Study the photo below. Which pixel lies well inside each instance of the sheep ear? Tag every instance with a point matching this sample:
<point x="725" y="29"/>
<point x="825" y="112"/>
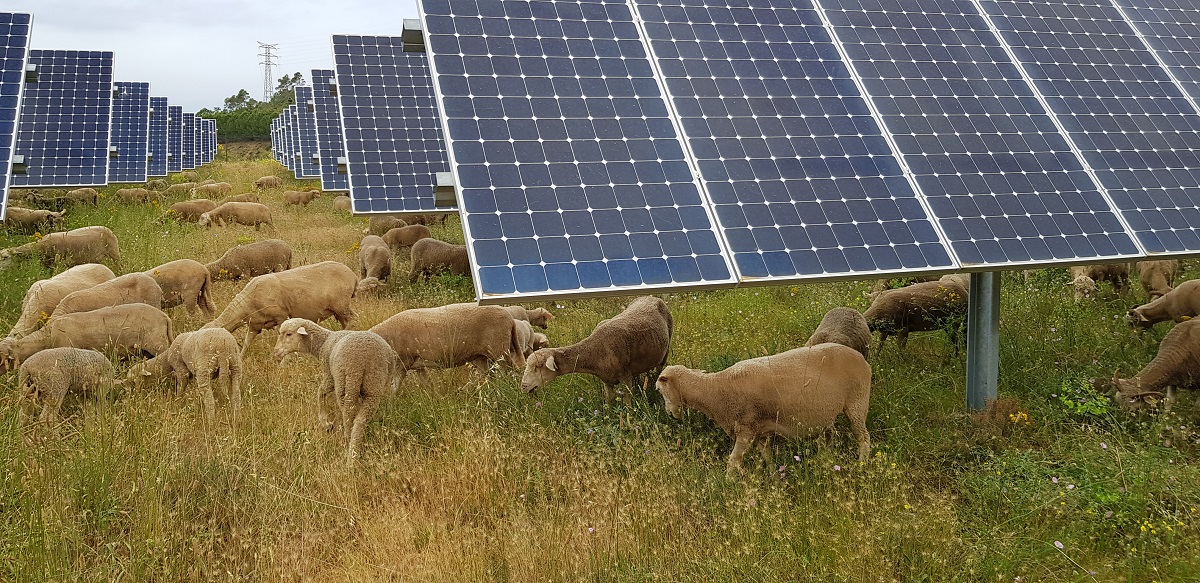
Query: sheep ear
<point x="550" y="363"/>
<point x="301" y="331"/>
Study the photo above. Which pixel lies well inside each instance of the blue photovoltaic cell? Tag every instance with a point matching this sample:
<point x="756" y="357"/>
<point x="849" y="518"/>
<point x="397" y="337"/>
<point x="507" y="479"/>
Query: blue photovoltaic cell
<point x="1133" y="124"/>
<point x="174" y="138"/>
<point x="1000" y="178"/>
<point x="571" y="174"/>
<point x="329" y="131"/>
<point x="275" y="140"/>
<point x="306" y="118"/>
<point x="129" y="133"/>
<point x="189" y="141"/>
<point x="391" y="130"/>
<point x="206" y="140"/>
<point x="65" y="117"/>
<point x="14" y="44"/>
<point x="157" y="158"/>
<point x="1172" y="29"/>
<point x="802" y="180"/>
<point x="293" y="139"/>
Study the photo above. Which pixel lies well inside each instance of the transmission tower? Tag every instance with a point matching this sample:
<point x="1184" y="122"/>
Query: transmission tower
<point x="268" y="61"/>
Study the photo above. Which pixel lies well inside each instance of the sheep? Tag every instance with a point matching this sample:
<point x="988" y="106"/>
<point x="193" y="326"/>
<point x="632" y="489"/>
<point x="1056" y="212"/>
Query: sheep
<point x="1179" y="304"/>
<point x="529" y="340"/>
<point x="135" y="194"/>
<point x="300" y="198"/>
<point x="798" y="393"/>
<point x="190" y="175"/>
<point x="124" y="330"/>
<point x="427" y="219"/>
<point x="44" y="295"/>
<point x="268" y="182"/>
<point x="539" y="317"/>
<point x="1157" y="277"/>
<point x="181" y="188"/>
<point x="74" y="247"/>
<point x="244" y="197"/>
<point x="215" y="189"/>
<point x="432" y="255"/>
<point x="244" y="213"/>
<point x="131" y="288"/>
<point x="357" y="368"/>
<point x="1085" y="277"/>
<point x="52" y="373"/>
<point x="920" y="307"/>
<point x="375" y="258"/>
<point x="367" y="286"/>
<point x="378" y="225"/>
<point x="184" y="282"/>
<point x="890" y="283"/>
<point x="405" y="236"/>
<point x="156" y="184"/>
<point x="845" y="326"/>
<point x="451" y="336"/>
<point x="631" y="343"/>
<point x="206" y="182"/>
<point x="251" y="260"/>
<point x="188" y="211"/>
<point x="200" y="356"/>
<point x="83" y="195"/>
<point x="343" y="203"/>
<point x="30" y="220"/>
<point x="313" y="291"/>
<point x="1177" y="364"/>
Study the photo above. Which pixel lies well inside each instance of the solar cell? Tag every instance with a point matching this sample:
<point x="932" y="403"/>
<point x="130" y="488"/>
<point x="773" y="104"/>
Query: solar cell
<point x="392" y="134"/>
<point x="189" y="141"/>
<point x="329" y="131"/>
<point x="306" y="129"/>
<point x="571" y="174"/>
<point x="174" y="138"/>
<point x="206" y="140"/>
<point x="129" y="136"/>
<point x="214" y="140"/>
<point x="14" y="46"/>
<point x="293" y="141"/>
<point x="157" y="157"/>
<point x="65" y="117"/>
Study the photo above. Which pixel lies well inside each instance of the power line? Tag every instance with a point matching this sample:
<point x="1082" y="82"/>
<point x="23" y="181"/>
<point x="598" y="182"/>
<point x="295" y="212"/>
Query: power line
<point x="268" y="61"/>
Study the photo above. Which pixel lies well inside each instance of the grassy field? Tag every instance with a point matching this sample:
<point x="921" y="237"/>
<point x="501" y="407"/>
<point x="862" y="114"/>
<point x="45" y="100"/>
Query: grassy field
<point x="471" y="480"/>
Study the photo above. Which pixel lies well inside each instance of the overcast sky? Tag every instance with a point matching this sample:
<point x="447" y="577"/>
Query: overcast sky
<point x="199" y="53"/>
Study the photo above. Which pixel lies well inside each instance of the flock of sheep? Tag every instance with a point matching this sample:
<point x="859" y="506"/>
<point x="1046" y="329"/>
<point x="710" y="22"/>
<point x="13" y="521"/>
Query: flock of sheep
<point x="72" y="323"/>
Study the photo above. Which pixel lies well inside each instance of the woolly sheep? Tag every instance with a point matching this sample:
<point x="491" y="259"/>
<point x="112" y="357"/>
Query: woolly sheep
<point x="244" y="197"/>
<point x="83" y="195"/>
<point x="123" y="330"/>
<point x="539" y="317"/>
<point x="427" y="219"/>
<point x="75" y="247"/>
<point x="52" y="373"/>
<point x="845" y="326"/>
<point x="920" y="307"/>
<point x="216" y="189"/>
<point x="431" y="255"/>
<point x="300" y="197"/>
<point x="631" y="343"/>
<point x="243" y="213"/>
<point x="30" y="220"/>
<point x="451" y="336"/>
<point x="200" y="357"/>
<point x="1085" y="277"/>
<point x="405" y="236"/>
<point x="268" y="182"/>
<point x="181" y="188"/>
<point x="156" y="184"/>
<point x="890" y="283"/>
<point x="251" y="260"/>
<point x="342" y="203"/>
<point x="378" y="225"/>
<point x="189" y="211"/>
<point x="1177" y="364"/>
<point x="1179" y="304"/>
<point x="131" y="288"/>
<point x="1157" y="277"/>
<point x="529" y="340"/>
<point x="44" y="295"/>
<point x="135" y="195"/>
<point x="367" y="286"/>
<point x="374" y="258"/>
<point x="184" y="282"/>
<point x="798" y="393"/>
<point x="189" y="175"/>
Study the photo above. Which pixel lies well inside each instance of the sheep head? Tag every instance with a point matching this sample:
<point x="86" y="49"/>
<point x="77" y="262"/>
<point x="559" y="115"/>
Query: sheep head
<point x="293" y="337"/>
<point x="205" y="220"/>
<point x="1128" y="393"/>
<point x="667" y="384"/>
<point x="540" y="317"/>
<point x="1084" y="287"/>
<point x="1137" y="318"/>
<point x="367" y="285"/>
<point x="8" y="361"/>
<point x="540" y="368"/>
<point x="540" y="341"/>
<point x="145" y="373"/>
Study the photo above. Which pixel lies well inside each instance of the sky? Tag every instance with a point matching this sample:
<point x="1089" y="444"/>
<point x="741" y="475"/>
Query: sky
<point x="198" y="53"/>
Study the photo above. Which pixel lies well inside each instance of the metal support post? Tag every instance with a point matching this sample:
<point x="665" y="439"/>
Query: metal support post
<point x="983" y="339"/>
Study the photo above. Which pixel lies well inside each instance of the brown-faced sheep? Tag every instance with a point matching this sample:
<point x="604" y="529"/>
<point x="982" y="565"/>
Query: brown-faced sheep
<point x="314" y="292"/>
<point x="845" y="326"/>
<point x="342" y="203"/>
<point x="184" y="282"/>
<point x="156" y="184"/>
<point x="44" y="295"/>
<point x="75" y="247"/>
<point x="51" y="374"/>
<point x="920" y="307"/>
<point x="1085" y="277"/>
<point x="125" y="330"/>
<point x="405" y="236"/>
<point x="798" y="393"/>
<point x="1157" y="277"/>
<point x="268" y="182"/>
<point x="300" y="197"/>
<point x="213" y="190"/>
<point x="378" y="225"/>
<point x="24" y="220"/>
<point x="238" y="213"/>
<point x="374" y="258"/>
<point x="251" y="260"/>
<point x="244" y="197"/>
<point x="1177" y="365"/>
<point x="131" y="288"/>
<point x="135" y="195"/>
<point x="188" y="211"/>
<point x="430" y="256"/>
<point x="1179" y="304"/>
<point x="451" y="336"/>
<point x="179" y="189"/>
<point x="200" y="357"/>
<point x="539" y="317"/>
<point x="83" y="195"/>
<point x="631" y="343"/>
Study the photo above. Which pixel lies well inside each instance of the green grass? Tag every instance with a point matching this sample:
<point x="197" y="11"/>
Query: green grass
<point x="469" y="479"/>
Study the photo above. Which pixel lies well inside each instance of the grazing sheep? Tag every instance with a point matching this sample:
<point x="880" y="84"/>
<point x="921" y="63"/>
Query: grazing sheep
<point x="30" y="220"/>
<point x="845" y="326"/>
<point x="51" y="374"/>
<point x="342" y="203"/>
<point x="200" y="356"/>
<point x="539" y="317"/>
<point x="314" y="292"/>
<point x="451" y="336"/>
<point x="405" y="236"/>
<point x="798" y="393"/>
<point x="529" y="340"/>
<point x="1177" y="364"/>
<point x="920" y="307"/>
<point x="131" y="288"/>
<point x="213" y="190"/>
<point x="190" y="175"/>
<point x="378" y="225"/>
<point x="890" y="283"/>
<point x="631" y="343"/>
<point x="1179" y="304"/>
<point x="156" y="184"/>
<point x="375" y="258"/>
<point x="300" y="197"/>
<point x="1085" y="277"/>
<point x="189" y="211"/>
<point x="44" y="295"/>
<point x="83" y="195"/>
<point x="74" y="247"/>
<point x="135" y="194"/>
<point x="367" y="286"/>
<point x="184" y="282"/>
<point x="125" y="330"/>
<point x="431" y="255"/>
<point x="252" y="260"/>
<point x="427" y="219"/>
<point x="181" y="188"/>
<point x="238" y="213"/>
<point x="244" y="197"/>
<point x="1157" y="277"/>
<point x="268" y="182"/>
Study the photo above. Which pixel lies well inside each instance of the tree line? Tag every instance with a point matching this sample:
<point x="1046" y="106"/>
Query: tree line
<point x="243" y="118"/>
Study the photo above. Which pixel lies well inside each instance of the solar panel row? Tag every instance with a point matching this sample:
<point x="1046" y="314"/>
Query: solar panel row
<point x="329" y="131"/>
<point x="189" y="141"/>
<point x="308" y="157"/>
<point x="14" y="55"/>
<point x="157" y="147"/>
<point x="129" y="137"/>
<point x="174" y="138"/>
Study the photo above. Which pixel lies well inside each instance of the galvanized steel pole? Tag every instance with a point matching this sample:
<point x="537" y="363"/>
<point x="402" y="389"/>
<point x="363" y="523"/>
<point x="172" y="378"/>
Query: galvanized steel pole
<point x="983" y="339"/>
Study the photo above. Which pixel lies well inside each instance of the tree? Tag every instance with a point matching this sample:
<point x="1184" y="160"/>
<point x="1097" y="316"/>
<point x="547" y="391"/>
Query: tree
<point x="241" y="100"/>
<point x="285" y="89"/>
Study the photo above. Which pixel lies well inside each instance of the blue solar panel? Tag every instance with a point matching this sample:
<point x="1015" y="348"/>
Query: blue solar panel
<point x="275" y="139"/>
<point x="206" y="140"/>
<point x="306" y="129"/>
<point x="14" y="48"/>
<point x="572" y="176"/>
<point x="174" y="138"/>
<point x="65" y="117"/>
<point x="213" y="140"/>
<point x="1172" y="29"/>
<point x="188" y="138"/>
<point x="157" y="157"/>
<point x="392" y="134"/>
<point x="1131" y="121"/>
<point x="802" y="180"/>
<point x="329" y="131"/>
<point x="129" y="136"/>
<point x="293" y="141"/>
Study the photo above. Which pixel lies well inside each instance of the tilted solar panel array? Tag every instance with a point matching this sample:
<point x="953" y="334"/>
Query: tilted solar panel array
<point x="189" y="141"/>
<point x="14" y="55"/>
<point x="174" y="138"/>
<point x="129" y="136"/>
<point x="306" y="130"/>
<point x="329" y="131"/>
<point x="157" y="154"/>
<point x="293" y="128"/>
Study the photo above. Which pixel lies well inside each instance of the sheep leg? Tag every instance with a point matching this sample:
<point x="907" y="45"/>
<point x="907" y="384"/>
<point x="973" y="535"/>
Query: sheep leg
<point x="883" y="336"/>
<point x="857" y="413"/>
<point x="51" y="405"/>
<point x="235" y="387"/>
<point x="325" y="397"/>
<point x="367" y="407"/>
<point x="348" y="402"/>
<point x="764" y="449"/>
<point x="902" y="339"/>
<point x="741" y="443"/>
<point x="250" y="334"/>
<point x="609" y="393"/>
<point x="204" y="384"/>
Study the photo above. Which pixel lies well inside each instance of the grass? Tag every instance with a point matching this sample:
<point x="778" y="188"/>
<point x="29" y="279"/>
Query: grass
<point x="471" y="480"/>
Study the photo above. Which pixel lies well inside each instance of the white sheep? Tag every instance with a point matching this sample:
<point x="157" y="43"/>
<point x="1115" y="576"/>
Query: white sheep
<point x="845" y="326"/>
<point x="451" y="336"/>
<point x="198" y="356"/>
<point x="539" y="317"/>
<point x="51" y="374"/>
<point x="374" y="258"/>
<point x="44" y="295"/>
<point x="131" y="288"/>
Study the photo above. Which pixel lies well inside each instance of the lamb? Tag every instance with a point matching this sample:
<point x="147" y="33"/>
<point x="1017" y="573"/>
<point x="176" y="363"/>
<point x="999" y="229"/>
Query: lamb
<point x="215" y="189"/>
<point x="845" y="326"/>
<point x="405" y="236"/>
<point x="251" y="260"/>
<point x="378" y="225"/>
<point x="83" y="195"/>
<point x="268" y="182"/>
<point x="342" y="203"/>
<point x="529" y="340"/>
<point x="1177" y="364"/>
<point x="798" y="393"/>
<point x="131" y="288"/>
<point x="181" y="188"/>
<point x="74" y="247"/>
<point x="30" y="220"/>
<point x="124" y="330"/>
<point x="539" y="317"/>
<point x="189" y="211"/>
<point x="244" y="213"/>
<point x="244" y="197"/>
<point x="432" y="255"/>
<point x="1179" y="304"/>
<point x="357" y="368"/>
<point x="375" y="259"/>
<point x="199" y="356"/>
<point x="314" y="292"/>
<point x="135" y="194"/>
<point x="52" y="373"/>
<point x="1157" y="277"/>
<point x="1085" y="277"/>
<point x="451" y="336"/>
<point x="920" y="307"/>
<point x="300" y="198"/>
<point x="631" y="343"/>
<point x="184" y="282"/>
<point x="44" y="295"/>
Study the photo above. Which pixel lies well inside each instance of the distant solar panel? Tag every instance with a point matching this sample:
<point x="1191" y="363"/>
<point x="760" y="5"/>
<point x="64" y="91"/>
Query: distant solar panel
<point x="174" y="138"/>
<point x="157" y="156"/>
<point x="391" y="131"/>
<point x="571" y="174"/>
<point x="329" y="131"/>
<point x="306" y="118"/>
<point x="214" y="137"/>
<point x="14" y="46"/>
<point x="189" y="141"/>
<point x="275" y="139"/>
<point x="205" y="145"/>
<point x="293" y="141"/>
<point x="65" y="117"/>
<point x="129" y="136"/>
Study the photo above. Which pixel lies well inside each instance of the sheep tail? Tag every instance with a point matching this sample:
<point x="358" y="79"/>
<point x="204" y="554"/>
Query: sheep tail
<point x="515" y="348"/>
<point x="205" y="298"/>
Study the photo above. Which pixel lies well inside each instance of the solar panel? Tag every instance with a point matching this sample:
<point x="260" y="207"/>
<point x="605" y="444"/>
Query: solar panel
<point x="129" y="136"/>
<point x="306" y="129"/>
<point x="1132" y="123"/>
<point x="214" y="140"/>
<point x="65" y="118"/>
<point x="392" y="134"/>
<point x="174" y="138"/>
<point x="157" y="154"/>
<point x="571" y="175"/>
<point x="189" y="141"/>
<point x="14" y="42"/>
<point x="1172" y="29"/>
<point x="205" y="145"/>
<point x="329" y="131"/>
<point x="293" y="141"/>
<point x="802" y="180"/>
<point x="275" y="139"/>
